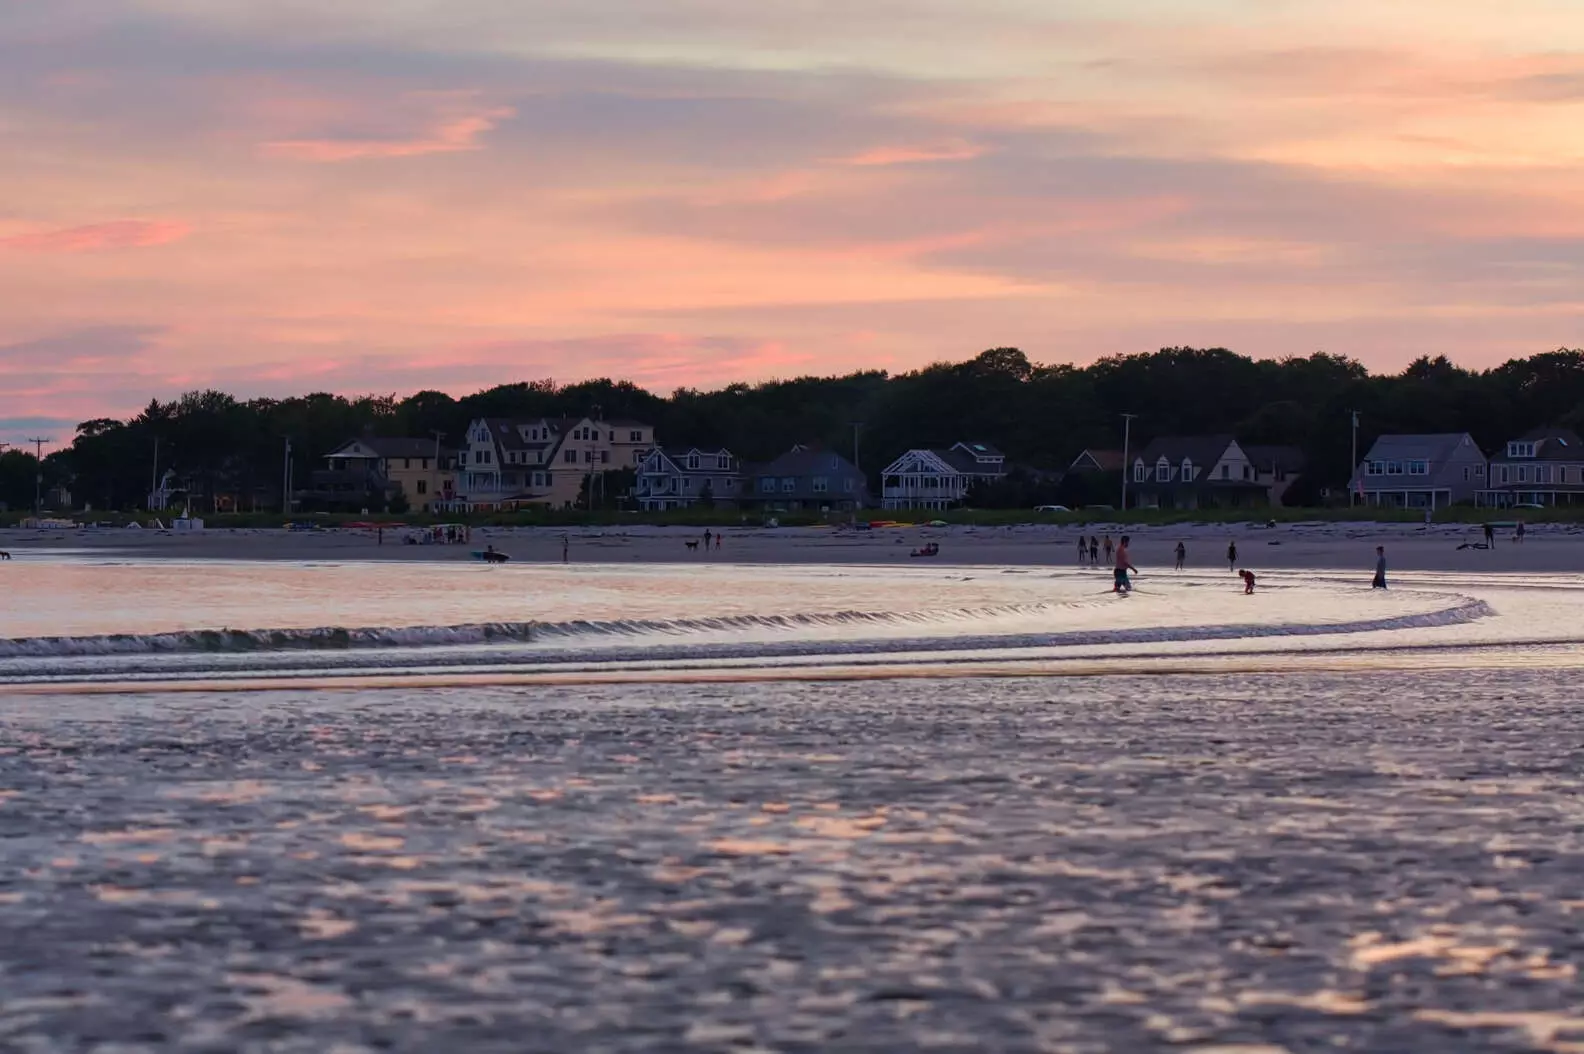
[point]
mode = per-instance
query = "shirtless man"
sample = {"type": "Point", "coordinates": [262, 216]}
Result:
{"type": "Point", "coordinates": [1119, 574]}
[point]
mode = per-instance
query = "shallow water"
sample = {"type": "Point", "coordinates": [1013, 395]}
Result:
{"type": "Point", "coordinates": [786, 809]}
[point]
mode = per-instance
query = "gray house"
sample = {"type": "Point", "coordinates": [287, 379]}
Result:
{"type": "Point", "coordinates": [805, 478]}
{"type": "Point", "coordinates": [678, 479]}
{"type": "Point", "coordinates": [1420, 471]}
{"type": "Point", "coordinates": [1541, 467]}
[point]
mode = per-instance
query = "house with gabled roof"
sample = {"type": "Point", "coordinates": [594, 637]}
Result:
{"type": "Point", "coordinates": [1544, 466]}
{"type": "Point", "coordinates": [1194, 472]}
{"type": "Point", "coordinates": [1420, 471]}
{"type": "Point", "coordinates": [939, 479]}
{"type": "Point", "coordinates": [805, 478]}
{"type": "Point", "coordinates": [1276, 468]}
{"type": "Point", "coordinates": [1091, 459]}
{"type": "Point", "coordinates": [680, 478]}
{"type": "Point", "coordinates": [371, 471]}
{"type": "Point", "coordinates": [508, 463]}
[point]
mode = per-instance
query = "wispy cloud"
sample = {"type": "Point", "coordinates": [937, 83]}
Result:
{"type": "Point", "coordinates": [117, 234]}
{"type": "Point", "coordinates": [438, 123]}
{"type": "Point", "coordinates": [957, 150]}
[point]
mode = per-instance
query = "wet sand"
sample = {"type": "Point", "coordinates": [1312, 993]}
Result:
{"type": "Point", "coordinates": [1553, 548]}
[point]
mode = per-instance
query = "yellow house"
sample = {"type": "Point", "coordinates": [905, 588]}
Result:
{"type": "Point", "coordinates": [545, 461]}
{"type": "Point", "coordinates": [420, 469]}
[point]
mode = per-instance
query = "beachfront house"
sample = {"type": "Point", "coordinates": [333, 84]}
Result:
{"type": "Point", "coordinates": [683, 478]}
{"type": "Point", "coordinates": [1420, 471]}
{"type": "Point", "coordinates": [940, 479]}
{"type": "Point", "coordinates": [1107, 462]}
{"type": "Point", "coordinates": [1276, 468]}
{"type": "Point", "coordinates": [378, 472]}
{"type": "Point", "coordinates": [552, 462]}
{"type": "Point", "coordinates": [1194, 472]}
{"type": "Point", "coordinates": [1542, 467]}
{"type": "Point", "coordinates": [805, 478]}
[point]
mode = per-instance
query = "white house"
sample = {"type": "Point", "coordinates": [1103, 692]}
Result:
{"type": "Point", "coordinates": [543, 461]}
{"type": "Point", "coordinates": [939, 479]}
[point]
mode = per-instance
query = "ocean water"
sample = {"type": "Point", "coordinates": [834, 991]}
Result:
{"type": "Point", "coordinates": [360, 807]}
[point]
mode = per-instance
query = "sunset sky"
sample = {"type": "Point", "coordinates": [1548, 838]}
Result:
{"type": "Point", "coordinates": [261, 196]}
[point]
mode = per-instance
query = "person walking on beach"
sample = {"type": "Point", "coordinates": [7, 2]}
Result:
{"type": "Point", "coordinates": [1248, 582]}
{"type": "Point", "coordinates": [1182, 555]}
{"type": "Point", "coordinates": [720, 536]}
{"type": "Point", "coordinates": [1094, 550]}
{"type": "Point", "coordinates": [1119, 574]}
{"type": "Point", "coordinates": [1083, 550]}
{"type": "Point", "coordinates": [566, 548]}
{"type": "Point", "coordinates": [708, 537]}
{"type": "Point", "coordinates": [1490, 537]}
{"type": "Point", "coordinates": [1518, 534]}
{"type": "Point", "coordinates": [1232, 555]}
{"type": "Point", "coordinates": [1108, 548]}
{"type": "Point", "coordinates": [1380, 568]}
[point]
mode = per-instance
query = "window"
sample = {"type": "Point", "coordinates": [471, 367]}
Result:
{"type": "Point", "coordinates": [723, 461]}
{"type": "Point", "coordinates": [594, 435]}
{"type": "Point", "coordinates": [604, 457]}
{"type": "Point", "coordinates": [1503, 470]}
{"type": "Point", "coordinates": [1394, 468]}
{"type": "Point", "coordinates": [1248, 471]}
{"type": "Point", "coordinates": [1226, 471]}
{"type": "Point", "coordinates": [571, 457]}
{"type": "Point", "coordinates": [1187, 470]}
{"type": "Point", "coordinates": [1465, 473]}
{"type": "Point", "coordinates": [1479, 471]}
{"type": "Point", "coordinates": [1523, 473]}
{"type": "Point", "coordinates": [693, 461]}
{"type": "Point", "coordinates": [847, 484]}
{"type": "Point", "coordinates": [1418, 468]}
{"type": "Point", "coordinates": [486, 456]}
{"type": "Point", "coordinates": [821, 484]}
{"type": "Point", "coordinates": [731, 484]}
{"type": "Point", "coordinates": [1139, 472]}
{"type": "Point", "coordinates": [1162, 470]}
{"type": "Point", "coordinates": [461, 457]}
{"type": "Point", "coordinates": [635, 436]}
{"type": "Point", "coordinates": [767, 485]}
{"type": "Point", "coordinates": [423, 486]}
{"type": "Point", "coordinates": [788, 484]}
{"type": "Point", "coordinates": [588, 457]}
{"type": "Point", "coordinates": [1520, 450]}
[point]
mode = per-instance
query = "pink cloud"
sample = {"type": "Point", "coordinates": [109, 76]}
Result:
{"type": "Point", "coordinates": [954, 150]}
{"type": "Point", "coordinates": [449, 122]}
{"type": "Point", "coordinates": [117, 234]}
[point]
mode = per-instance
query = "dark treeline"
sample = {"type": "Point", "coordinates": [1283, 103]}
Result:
{"type": "Point", "coordinates": [1041, 416]}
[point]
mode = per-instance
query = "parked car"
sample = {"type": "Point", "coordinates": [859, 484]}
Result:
{"type": "Point", "coordinates": [1051, 508]}
{"type": "Point", "coordinates": [1528, 505]}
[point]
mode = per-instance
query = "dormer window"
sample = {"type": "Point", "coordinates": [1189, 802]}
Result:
{"type": "Point", "coordinates": [1140, 473]}
{"type": "Point", "coordinates": [1162, 470]}
{"type": "Point", "coordinates": [693, 462]}
{"type": "Point", "coordinates": [1187, 470]}
{"type": "Point", "coordinates": [1520, 450]}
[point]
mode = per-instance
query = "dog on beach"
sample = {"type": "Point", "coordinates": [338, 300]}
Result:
{"type": "Point", "coordinates": [691, 545]}
{"type": "Point", "coordinates": [4, 555]}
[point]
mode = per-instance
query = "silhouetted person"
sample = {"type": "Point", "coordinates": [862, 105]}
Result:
{"type": "Point", "coordinates": [1232, 556]}
{"type": "Point", "coordinates": [1518, 535]}
{"type": "Point", "coordinates": [1182, 555]}
{"type": "Point", "coordinates": [1490, 536]}
{"type": "Point", "coordinates": [1119, 574]}
{"type": "Point", "coordinates": [1380, 568]}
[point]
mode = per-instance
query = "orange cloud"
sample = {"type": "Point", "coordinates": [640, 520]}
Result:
{"type": "Point", "coordinates": [454, 124]}
{"type": "Point", "coordinates": [118, 234]}
{"type": "Point", "coordinates": [956, 150]}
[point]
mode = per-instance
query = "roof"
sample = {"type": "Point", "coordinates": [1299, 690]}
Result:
{"type": "Point", "coordinates": [807, 461]}
{"type": "Point", "coordinates": [505, 433]}
{"type": "Point", "coordinates": [1103, 461]}
{"type": "Point", "coordinates": [392, 447]}
{"type": "Point", "coordinates": [964, 462]}
{"type": "Point", "coordinates": [1552, 444]}
{"type": "Point", "coordinates": [1436, 447]}
{"type": "Point", "coordinates": [1280, 458]}
{"type": "Point", "coordinates": [625, 422]}
{"type": "Point", "coordinates": [979, 448]}
{"type": "Point", "coordinates": [1201, 450]}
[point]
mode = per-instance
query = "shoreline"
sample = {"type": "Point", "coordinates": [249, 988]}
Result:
{"type": "Point", "coordinates": [1548, 548]}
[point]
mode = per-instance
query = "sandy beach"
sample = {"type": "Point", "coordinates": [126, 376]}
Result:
{"type": "Point", "coordinates": [1449, 547]}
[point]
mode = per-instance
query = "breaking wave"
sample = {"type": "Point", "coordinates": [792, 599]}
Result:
{"type": "Point", "coordinates": [563, 637]}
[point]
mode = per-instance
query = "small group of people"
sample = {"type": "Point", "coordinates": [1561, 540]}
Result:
{"type": "Point", "coordinates": [1122, 567]}
{"type": "Point", "coordinates": [1089, 550]}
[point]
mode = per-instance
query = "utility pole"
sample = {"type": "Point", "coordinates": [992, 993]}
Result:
{"type": "Point", "coordinates": [1127, 435]}
{"type": "Point", "coordinates": [154, 478]}
{"type": "Point", "coordinates": [38, 478]}
{"type": "Point", "coordinates": [439, 470]}
{"type": "Point", "coordinates": [857, 426]}
{"type": "Point", "coordinates": [1352, 488]}
{"type": "Point", "coordinates": [286, 481]}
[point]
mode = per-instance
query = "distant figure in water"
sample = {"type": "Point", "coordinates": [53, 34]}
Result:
{"type": "Point", "coordinates": [1182, 556]}
{"type": "Point", "coordinates": [1119, 574]}
{"type": "Point", "coordinates": [1518, 534]}
{"type": "Point", "coordinates": [708, 537]}
{"type": "Point", "coordinates": [719, 537]}
{"type": "Point", "coordinates": [1380, 568]}
{"type": "Point", "coordinates": [1232, 556]}
{"type": "Point", "coordinates": [1248, 581]}
{"type": "Point", "coordinates": [1108, 548]}
{"type": "Point", "coordinates": [1490, 536]}
{"type": "Point", "coordinates": [1083, 550]}
{"type": "Point", "coordinates": [1094, 550]}
{"type": "Point", "coordinates": [566, 547]}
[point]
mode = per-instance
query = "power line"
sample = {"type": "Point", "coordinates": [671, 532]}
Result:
{"type": "Point", "coordinates": [38, 479]}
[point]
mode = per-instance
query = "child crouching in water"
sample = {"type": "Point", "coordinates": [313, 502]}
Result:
{"type": "Point", "coordinates": [1248, 582]}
